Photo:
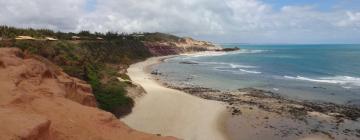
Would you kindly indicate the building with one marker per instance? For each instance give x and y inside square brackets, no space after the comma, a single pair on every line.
[75,37]
[50,39]
[99,38]
[24,38]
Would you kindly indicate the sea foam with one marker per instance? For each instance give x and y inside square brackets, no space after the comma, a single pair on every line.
[249,71]
[341,80]
[236,70]
[212,53]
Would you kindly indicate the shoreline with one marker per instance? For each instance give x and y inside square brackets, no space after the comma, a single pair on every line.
[259,114]
[172,112]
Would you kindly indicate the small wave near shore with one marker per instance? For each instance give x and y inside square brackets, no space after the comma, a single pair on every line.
[212,53]
[345,81]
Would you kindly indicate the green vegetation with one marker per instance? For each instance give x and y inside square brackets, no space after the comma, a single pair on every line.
[7,32]
[111,98]
[124,76]
[90,59]
[11,32]
[161,37]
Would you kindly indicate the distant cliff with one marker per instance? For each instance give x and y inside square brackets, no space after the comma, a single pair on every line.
[38,101]
[165,44]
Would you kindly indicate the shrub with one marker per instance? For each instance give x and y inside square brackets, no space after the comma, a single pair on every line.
[124,76]
[112,97]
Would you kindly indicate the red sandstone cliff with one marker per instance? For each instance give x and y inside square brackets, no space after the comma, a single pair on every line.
[40,102]
[183,45]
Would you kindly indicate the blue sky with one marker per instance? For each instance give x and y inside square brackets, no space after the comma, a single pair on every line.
[90,5]
[245,21]
[278,4]
[319,4]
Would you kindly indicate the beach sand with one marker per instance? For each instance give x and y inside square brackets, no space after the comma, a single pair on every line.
[172,112]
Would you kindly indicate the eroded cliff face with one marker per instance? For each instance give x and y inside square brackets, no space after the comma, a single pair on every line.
[40,102]
[183,45]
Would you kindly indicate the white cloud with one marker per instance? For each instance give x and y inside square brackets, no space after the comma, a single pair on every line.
[57,14]
[219,20]
[352,20]
[183,16]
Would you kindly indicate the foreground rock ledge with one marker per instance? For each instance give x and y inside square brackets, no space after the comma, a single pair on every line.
[40,102]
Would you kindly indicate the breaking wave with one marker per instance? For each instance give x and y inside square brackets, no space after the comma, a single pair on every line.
[235,70]
[211,53]
[345,81]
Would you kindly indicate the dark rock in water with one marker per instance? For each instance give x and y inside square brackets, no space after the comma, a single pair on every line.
[236,111]
[298,112]
[188,62]
[196,90]
[156,72]
[259,93]
[354,103]
[358,132]
[349,111]
[347,131]
[273,102]
[229,49]
[336,110]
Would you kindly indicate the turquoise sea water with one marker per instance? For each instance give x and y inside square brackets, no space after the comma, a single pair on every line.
[309,72]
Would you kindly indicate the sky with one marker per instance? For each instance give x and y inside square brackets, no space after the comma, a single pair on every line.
[222,21]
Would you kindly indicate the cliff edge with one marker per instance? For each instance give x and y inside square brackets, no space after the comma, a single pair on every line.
[179,46]
[38,101]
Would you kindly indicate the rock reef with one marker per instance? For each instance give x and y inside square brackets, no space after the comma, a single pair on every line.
[263,110]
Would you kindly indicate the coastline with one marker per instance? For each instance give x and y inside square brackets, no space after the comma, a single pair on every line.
[172,112]
[259,114]
[254,116]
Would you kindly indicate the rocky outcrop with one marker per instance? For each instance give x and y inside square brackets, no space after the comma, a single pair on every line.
[183,45]
[283,117]
[162,49]
[188,42]
[36,75]
[40,102]
[16,125]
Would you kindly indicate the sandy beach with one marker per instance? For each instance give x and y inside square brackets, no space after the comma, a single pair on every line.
[172,112]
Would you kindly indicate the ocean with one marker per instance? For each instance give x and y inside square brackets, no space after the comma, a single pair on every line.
[327,72]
